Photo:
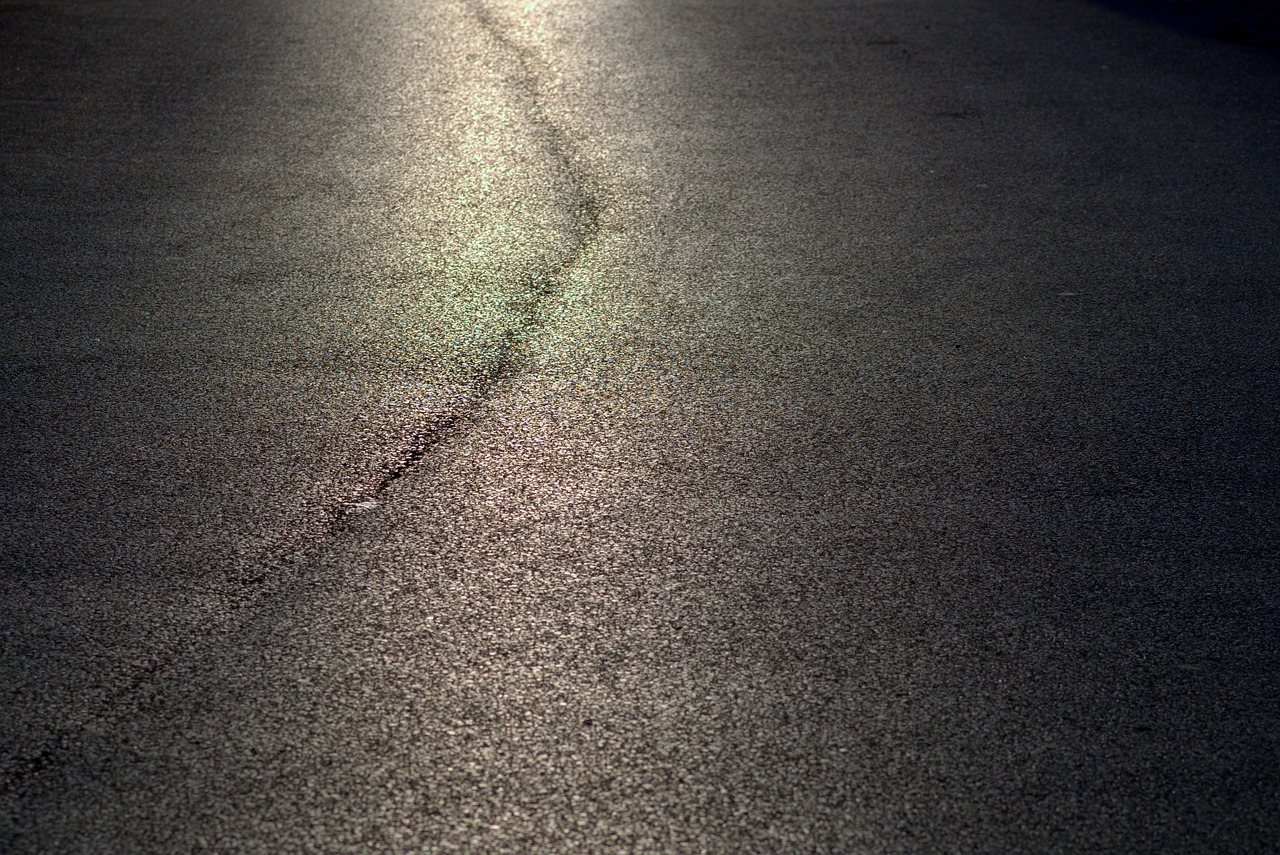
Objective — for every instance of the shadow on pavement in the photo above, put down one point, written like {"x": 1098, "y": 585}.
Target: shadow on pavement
{"x": 1255, "y": 23}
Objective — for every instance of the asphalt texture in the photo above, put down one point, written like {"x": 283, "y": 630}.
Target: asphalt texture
{"x": 607, "y": 426}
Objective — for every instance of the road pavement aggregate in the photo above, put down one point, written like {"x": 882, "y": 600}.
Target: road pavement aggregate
{"x": 590, "y": 425}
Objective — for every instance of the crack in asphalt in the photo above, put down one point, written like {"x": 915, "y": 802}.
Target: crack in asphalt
{"x": 501, "y": 363}
{"x": 504, "y": 356}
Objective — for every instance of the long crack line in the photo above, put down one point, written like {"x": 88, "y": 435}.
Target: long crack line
{"x": 502, "y": 364}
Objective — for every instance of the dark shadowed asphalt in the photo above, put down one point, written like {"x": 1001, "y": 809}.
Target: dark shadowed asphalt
{"x": 603, "y": 425}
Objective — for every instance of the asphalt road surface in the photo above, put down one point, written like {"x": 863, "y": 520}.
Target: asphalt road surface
{"x": 605, "y": 425}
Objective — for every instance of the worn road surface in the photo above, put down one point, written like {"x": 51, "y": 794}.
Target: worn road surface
{"x": 605, "y": 425}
